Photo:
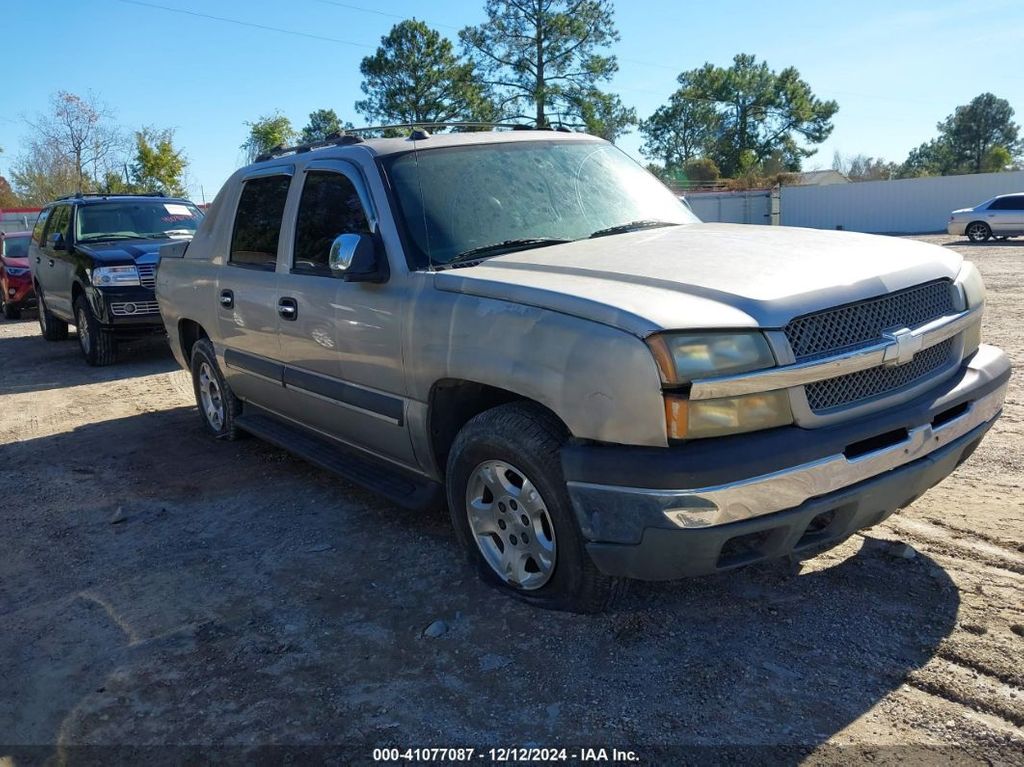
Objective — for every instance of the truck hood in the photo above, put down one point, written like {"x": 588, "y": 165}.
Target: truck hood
{"x": 119, "y": 251}
{"x": 704, "y": 275}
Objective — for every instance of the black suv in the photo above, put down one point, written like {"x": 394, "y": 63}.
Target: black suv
{"x": 93, "y": 261}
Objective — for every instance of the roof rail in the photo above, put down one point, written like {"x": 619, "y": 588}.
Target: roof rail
{"x": 417, "y": 131}
{"x": 83, "y": 195}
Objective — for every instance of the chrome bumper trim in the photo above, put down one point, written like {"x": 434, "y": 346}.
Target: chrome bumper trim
{"x": 789, "y": 488}
{"x": 896, "y": 350}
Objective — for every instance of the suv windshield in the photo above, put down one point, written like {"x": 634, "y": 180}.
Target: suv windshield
{"x": 487, "y": 199}
{"x": 15, "y": 247}
{"x": 136, "y": 219}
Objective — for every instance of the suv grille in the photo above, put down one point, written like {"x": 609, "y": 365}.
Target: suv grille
{"x": 847, "y": 327}
{"x": 147, "y": 275}
{"x": 873, "y": 382}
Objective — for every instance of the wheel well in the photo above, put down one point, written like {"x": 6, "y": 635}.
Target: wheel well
{"x": 452, "y": 403}
{"x": 76, "y": 291}
{"x": 977, "y": 221}
{"x": 189, "y": 331}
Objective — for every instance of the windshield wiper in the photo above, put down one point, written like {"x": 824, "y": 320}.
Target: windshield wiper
{"x": 632, "y": 226}
{"x": 506, "y": 246}
{"x": 102, "y": 237}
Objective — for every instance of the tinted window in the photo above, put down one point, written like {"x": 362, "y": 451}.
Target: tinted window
{"x": 16, "y": 247}
{"x": 258, "y": 221}
{"x": 1000, "y": 204}
{"x": 40, "y": 227}
{"x": 60, "y": 219}
{"x": 1015, "y": 203}
{"x": 329, "y": 206}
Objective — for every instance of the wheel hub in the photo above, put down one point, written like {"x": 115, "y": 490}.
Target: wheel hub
{"x": 511, "y": 524}
{"x": 210, "y": 397}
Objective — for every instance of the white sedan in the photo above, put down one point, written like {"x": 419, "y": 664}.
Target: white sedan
{"x": 1000, "y": 217}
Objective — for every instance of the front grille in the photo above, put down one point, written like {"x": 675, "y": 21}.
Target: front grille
{"x": 147, "y": 275}
{"x": 863, "y": 385}
{"x": 132, "y": 308}
{"x": 847, "y": 327}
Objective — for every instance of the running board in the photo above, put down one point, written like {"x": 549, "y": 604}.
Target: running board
{"x": 402, "y": 487}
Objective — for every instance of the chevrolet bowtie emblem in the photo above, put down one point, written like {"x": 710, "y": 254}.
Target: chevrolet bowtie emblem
{"x": 903, "y": 345}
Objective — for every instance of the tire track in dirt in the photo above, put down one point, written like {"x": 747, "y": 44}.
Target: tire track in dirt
{"x": 936, "y": 539}
{"x": 980, "y": 693}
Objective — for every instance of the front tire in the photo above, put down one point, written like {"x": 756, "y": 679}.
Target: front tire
{"x": 512, "y": 514}
{"x": 978, "y": 231}
{"x": 218, "y": 406}
{"x": 53, "y": 328}
{"x": 98, "y": 345}
{"x": 11, "y": 312}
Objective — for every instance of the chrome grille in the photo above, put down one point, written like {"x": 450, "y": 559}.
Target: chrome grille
{"x": 147, "y": 275}
{"x": 847, "y": 327}
{"x": 133, "y": 308}
{"x": 873, "y": 382}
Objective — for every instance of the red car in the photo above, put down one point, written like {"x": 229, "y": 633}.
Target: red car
{"x": 15, "y": 278}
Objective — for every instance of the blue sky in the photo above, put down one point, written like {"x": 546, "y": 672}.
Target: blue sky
{"x": 896, "y": 68}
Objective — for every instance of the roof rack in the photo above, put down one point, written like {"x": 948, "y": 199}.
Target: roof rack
{"x": 83, "y": 195}
{"x": 417, "y": 131}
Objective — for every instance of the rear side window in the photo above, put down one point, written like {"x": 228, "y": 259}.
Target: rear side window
{"x": 60, "y": 220}
{"x": 258, "y": 222}
{"x": 329, "y": 206}
{"x": 40, "y": 227}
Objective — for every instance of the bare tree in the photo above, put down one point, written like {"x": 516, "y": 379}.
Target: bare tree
{"x": 81, "y": 132}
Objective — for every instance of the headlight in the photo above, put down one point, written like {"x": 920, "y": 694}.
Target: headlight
{"x": 696, "y": 419}
{"x": 16, "y": 271}
{"x": 684, "y": 357}
{"x": 114, "y": 276}
{"x": 973, "y": 287}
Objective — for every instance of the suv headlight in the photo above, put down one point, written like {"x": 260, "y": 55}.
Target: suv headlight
{"x": 970, "y": 282}
{"x": 686, "y": 357}
{"x": 114, "y": 276}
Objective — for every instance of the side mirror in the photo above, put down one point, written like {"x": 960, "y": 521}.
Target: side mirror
{"x": 57, "y": 241}
{"x": 357, "y": 258}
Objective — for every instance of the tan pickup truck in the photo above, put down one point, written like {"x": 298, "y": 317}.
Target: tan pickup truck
{"x": 530, "y": 327}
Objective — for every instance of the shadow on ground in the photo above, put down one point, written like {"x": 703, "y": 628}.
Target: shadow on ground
{"x": 159, "y": 587}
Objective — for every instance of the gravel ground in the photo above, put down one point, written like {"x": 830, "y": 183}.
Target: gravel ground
{"x": 159, "y": 589}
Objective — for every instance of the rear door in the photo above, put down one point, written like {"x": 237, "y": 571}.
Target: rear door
{"x": 247, "y": 290}
{"x": 1015, "y": 215}
{"x": 35, "y": 247}
{"x": 342, "y": 347}
{"x": 1002, "y": 215}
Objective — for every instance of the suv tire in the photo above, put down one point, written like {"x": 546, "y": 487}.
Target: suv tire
{"x": 98, "y": 345}
{"x": 504, "y": 470}
{"x": 53, "y": 328}
{"x": 218, "y": 406}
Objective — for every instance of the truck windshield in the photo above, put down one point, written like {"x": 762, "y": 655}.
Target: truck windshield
{"x": 487, "y": 199}
{"x": 136, "y": 219}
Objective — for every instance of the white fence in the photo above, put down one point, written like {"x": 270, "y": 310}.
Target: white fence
{"x": 752, "y": 207}
{"x": 907, "y": 205}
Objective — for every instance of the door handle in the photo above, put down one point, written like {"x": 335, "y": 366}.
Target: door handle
{"x": 37, "y": 259}
{"x": 227, "y": 299}
{"x": 51, "y": 261}
{"x": 288, "y": 308}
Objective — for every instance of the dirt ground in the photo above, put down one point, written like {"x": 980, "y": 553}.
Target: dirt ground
{"x": 160, "y": 590}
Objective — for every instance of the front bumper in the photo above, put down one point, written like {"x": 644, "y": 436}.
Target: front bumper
{"x": 128, "y": 310}
{"x": 19, "y": 293}
{"x": 710, "y": 505}
{"x": 956, "y": 228}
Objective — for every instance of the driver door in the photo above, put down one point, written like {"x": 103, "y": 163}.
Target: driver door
{"x": 342, "y": 346}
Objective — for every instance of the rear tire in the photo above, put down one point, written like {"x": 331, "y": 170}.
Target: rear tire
{"x": 978, "y": 231}
{"x": 523, "y": 537}
{"x": 97, "y": 344}
{"x": 218, "y": 406}
{"x": 53, "y": 328}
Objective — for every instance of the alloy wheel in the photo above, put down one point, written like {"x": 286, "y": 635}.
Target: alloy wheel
{"x": 210, "y": 397}
{"x": 83, "y": 331}
{"x": 511, "y": 525}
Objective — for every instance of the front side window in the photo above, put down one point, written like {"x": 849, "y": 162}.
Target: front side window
{"x": 330, "y": 206}
{"x": 258, "y": 221}
{"x": 59, "y": 223}
{"x": 136, "y": 219}
{"x": 455, "y": 201}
